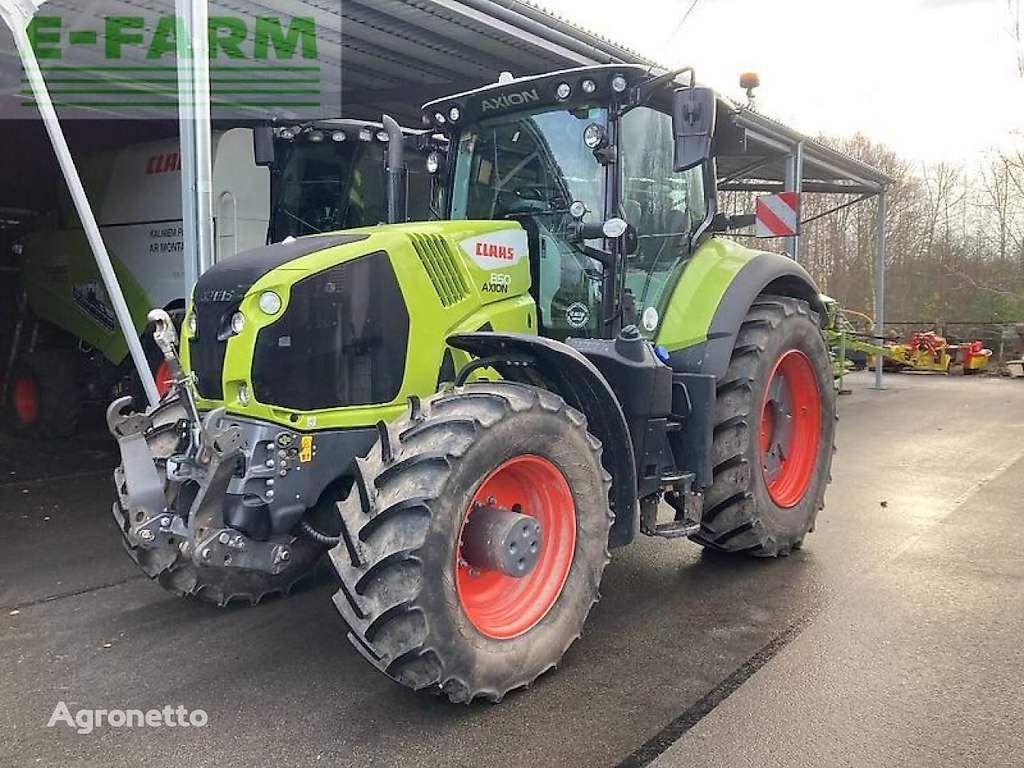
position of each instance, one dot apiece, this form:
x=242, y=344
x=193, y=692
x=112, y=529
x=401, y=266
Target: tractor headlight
x=563, y=91
x=270, y=303
x=237, y=323
x=433, y=162
x=338, y=137
x=243, y=394
x=192, y=325
x=383, y=136
x=588, y=86
x=315, y=137
x=454, y=114
x=595, y=136
x=614, y=228
x=619, y=83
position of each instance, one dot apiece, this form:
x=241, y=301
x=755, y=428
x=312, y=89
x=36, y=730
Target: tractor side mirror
x=723, y=222
x=263, y=152
x=693, y=125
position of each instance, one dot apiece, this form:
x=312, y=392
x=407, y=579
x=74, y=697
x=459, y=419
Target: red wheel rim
x=790, y=428
x=26, y=399
x=163, y=378
x=501, y=606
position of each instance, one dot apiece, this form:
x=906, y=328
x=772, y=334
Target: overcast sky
x=934, y=79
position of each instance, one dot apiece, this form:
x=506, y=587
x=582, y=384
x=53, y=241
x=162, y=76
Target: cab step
x=679, y=495
x=677, y=529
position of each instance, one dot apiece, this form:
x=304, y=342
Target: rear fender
x=559, y=368
x=763, y=274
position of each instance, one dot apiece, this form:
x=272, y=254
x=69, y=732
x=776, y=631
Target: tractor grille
x=206, y=351
x=219, y=293
x=342, y=340
x=442, y=265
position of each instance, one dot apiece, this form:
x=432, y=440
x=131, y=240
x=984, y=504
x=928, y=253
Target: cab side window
x=664, y=206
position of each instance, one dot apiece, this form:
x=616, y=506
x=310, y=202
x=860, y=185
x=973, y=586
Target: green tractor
x=469, y=414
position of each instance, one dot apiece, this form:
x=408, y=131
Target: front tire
x=773, y=436
x=418, y=607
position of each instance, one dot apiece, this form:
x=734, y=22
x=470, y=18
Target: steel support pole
x=194, y=129
x=879, y=283
x=795, y=183
x=18, y=21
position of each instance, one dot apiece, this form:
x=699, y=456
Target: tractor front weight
x=208, y=507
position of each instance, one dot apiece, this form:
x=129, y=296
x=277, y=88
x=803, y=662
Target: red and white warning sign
x=778, y=215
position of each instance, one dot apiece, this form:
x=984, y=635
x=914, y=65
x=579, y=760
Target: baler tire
x=404, y=591
x=56, y=378
x=741, y=514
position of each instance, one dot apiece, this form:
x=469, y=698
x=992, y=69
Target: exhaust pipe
x=396, y=212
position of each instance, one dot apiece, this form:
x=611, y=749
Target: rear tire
x=416, y=608
x=45, y=394
x=771, y=467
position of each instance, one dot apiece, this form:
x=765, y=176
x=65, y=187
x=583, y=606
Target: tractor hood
x=228, y=280
x=298, y=332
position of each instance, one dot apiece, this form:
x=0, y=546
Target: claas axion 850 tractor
x=468, y=414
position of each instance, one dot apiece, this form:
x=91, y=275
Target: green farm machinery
x=468, y=414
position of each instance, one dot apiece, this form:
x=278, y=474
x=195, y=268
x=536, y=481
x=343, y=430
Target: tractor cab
x=587, y=162
x=330, y=175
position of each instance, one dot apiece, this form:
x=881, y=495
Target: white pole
x=795, y=183
x=194, y=129
x=18, y=21
x=879, y=284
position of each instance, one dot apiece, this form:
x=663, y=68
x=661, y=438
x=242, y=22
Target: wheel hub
x=776, y=427
x=790, y=428
x=502, y=540
x=506, y=590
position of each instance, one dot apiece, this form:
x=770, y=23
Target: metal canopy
x=398, y=54
x=769, y=147
x=394, y=55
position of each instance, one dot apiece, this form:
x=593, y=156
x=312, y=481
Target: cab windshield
x=531, y=168
x=329, y=186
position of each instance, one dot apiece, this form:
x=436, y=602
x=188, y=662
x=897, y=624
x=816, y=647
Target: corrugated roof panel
x=393, y=55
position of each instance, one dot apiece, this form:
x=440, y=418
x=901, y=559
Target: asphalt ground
x=892, y=638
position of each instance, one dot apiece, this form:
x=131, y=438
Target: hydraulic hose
x=320, y=538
